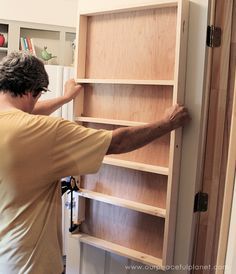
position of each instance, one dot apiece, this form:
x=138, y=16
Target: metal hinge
x=213, y=36
x=201, y=202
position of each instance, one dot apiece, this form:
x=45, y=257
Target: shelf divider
x=137, y=166
x=120, y=250
x=140, y=207
x=126, y=82
x=3, y=49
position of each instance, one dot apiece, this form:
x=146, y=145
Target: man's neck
x=7, y=102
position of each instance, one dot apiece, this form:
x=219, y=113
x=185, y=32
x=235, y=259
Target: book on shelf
x=28, y=40
x=22, y=44
x=32, y=46
x=27, y=44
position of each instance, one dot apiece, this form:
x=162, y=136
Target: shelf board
x=140, y=207
x=108, y=121
x=134, y=165
x=3, y=49
x=126, y=82
x=120, y=250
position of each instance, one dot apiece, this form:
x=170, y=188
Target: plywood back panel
x=127, y=102
x=155, y=153
x=128, y=184
x=125, y=227
x=132, y=45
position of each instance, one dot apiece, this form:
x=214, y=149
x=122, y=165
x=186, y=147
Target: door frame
x=207, y=243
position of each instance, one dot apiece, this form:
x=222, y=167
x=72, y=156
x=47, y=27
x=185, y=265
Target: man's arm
x=126, y=139
x=47, y=107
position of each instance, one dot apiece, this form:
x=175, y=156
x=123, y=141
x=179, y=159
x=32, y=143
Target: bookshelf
x=4, y=47
x=57, y=39
x=131, y=62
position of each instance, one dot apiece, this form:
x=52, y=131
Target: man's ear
x=38, y=96
x=31, y=96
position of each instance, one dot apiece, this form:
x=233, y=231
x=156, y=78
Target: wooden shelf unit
x=131, y=75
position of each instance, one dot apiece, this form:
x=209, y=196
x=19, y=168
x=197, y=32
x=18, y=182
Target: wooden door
x=221, y=85
x=132, y=62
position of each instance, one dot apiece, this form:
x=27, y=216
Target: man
x=36, y=151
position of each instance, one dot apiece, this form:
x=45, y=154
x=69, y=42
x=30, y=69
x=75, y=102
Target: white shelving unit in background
x=57, y=39
x=4, y=32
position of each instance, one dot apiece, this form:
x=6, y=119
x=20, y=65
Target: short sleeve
x=78, y=150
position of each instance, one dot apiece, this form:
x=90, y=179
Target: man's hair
x=20, y=73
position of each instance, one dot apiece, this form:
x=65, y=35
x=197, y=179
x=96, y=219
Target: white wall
x=54, y=12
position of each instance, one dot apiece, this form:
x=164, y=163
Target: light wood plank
x=120, y=250
x=140, y=207
x=108, y=121
x=126, y=82
x=137, y=166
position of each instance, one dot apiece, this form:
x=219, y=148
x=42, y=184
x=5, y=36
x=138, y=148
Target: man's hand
x=126, y=139
x=71, y=90
x=47, y=107
x=177, y=116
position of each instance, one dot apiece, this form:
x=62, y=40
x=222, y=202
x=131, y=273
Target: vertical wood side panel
x=175, y=143
x=75, y=249
x=80, y=59
x=81, y=41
